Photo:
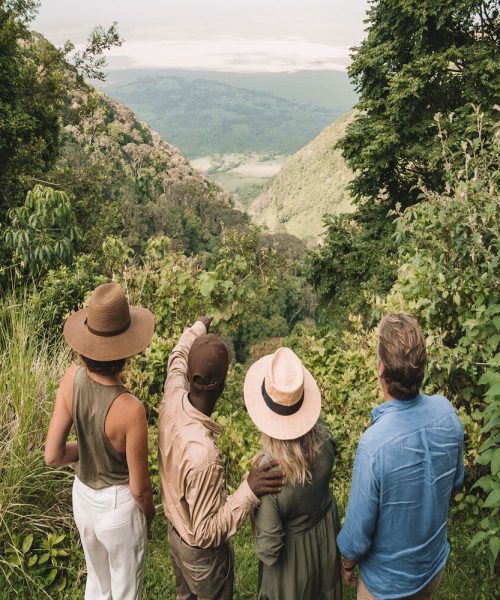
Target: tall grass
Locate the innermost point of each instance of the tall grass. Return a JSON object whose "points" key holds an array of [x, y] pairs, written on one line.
{"points": [[33, 498]]}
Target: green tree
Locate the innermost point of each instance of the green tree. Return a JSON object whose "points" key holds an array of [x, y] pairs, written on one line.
{"points": [[418, 59], [29, 104], [448, 276], [43, 232], [34, 81]]}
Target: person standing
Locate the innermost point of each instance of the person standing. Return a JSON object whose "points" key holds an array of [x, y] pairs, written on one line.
{"points": [[408, 465], [295, 529], [202, 516], [112, 494]]}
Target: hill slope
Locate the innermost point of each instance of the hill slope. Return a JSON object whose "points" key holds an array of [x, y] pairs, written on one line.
{"points": [[312, 182], [127, 181], [203, 117], [329, 89]]}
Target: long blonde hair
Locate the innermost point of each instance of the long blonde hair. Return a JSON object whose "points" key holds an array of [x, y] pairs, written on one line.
{"points": [[297, 458]]}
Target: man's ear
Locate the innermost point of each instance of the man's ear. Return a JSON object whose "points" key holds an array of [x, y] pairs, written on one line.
{"points": [[380, 369]]}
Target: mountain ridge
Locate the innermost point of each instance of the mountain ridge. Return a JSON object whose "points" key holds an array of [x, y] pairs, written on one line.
{"points": [[205, 117]]}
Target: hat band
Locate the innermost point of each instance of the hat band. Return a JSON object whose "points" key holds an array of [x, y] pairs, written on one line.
{"points": [[107, 333], [280, 409]]}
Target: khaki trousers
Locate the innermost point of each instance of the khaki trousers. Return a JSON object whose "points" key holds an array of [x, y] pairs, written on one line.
{"points": [[201, 573], [424, 594]]}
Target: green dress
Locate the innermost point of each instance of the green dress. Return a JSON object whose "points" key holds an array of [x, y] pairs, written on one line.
{"points": [[295, 538]]}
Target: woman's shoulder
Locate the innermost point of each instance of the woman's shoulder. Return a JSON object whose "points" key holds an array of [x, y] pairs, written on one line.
{"points": [[129, 408], [66, 385], [69, 375]]}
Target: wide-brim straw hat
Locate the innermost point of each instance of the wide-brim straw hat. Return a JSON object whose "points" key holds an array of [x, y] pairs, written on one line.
{"points": [[108, 328], [281, 396]]}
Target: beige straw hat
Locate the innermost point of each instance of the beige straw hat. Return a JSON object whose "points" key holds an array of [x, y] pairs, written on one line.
{"points": [[108, 328], [281, 396]]}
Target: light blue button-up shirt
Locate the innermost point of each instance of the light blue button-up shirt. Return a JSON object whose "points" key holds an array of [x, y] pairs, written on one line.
{"points": [[407, 466]]}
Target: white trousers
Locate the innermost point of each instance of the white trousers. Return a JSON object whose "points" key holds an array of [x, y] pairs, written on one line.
{"points": [[113, 532]]}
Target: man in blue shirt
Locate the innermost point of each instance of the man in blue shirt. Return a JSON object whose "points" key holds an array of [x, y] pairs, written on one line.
{"points": [[408, 465]]}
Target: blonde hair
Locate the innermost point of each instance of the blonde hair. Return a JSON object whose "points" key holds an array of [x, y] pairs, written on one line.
{"points": [[401, 348], [297, 458]]}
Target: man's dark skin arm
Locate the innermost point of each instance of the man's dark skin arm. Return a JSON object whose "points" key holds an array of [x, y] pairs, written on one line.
{"points": [[262, 480]]}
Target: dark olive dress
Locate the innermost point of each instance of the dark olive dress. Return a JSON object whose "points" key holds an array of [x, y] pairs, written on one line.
{"points": [[296, 538]]}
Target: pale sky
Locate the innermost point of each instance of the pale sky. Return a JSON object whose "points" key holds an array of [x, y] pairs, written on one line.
{"points": [[229, 35]]}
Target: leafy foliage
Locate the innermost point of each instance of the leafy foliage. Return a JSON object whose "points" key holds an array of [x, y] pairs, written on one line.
{"points": [[34, 78], [418, 59], [42, 560], [343, 274], [91, 61], [489, 454], [30, 102], [244, 291], [43, 232]]}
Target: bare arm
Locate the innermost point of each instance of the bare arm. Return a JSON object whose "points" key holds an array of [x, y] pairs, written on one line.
{"points": [[137, 459], [58, 451]]}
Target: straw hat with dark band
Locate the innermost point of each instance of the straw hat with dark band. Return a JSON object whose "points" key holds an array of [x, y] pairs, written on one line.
{"points": [[281, 396], [109, 328]]}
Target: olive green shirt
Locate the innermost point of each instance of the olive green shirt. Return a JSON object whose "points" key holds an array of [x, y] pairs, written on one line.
{"points": [[100, 464], [296, 538]]}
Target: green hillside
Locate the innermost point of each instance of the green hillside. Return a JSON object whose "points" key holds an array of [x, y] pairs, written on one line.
{"points": [[313, 182], [204, 117], [328, 89], [129, 181]]}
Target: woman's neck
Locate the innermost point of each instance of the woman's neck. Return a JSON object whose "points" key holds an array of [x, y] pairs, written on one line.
{"points": [[105, 379]]}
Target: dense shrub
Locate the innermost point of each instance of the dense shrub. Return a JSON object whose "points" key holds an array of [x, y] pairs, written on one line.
{"points": [[33, 499]]}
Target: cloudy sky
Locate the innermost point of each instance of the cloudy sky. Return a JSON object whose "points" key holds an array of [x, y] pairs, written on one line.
{"points": [[229, 35]]}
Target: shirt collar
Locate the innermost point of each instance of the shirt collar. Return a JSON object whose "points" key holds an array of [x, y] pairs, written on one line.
{"points": [[393, 405], [194, 413]]}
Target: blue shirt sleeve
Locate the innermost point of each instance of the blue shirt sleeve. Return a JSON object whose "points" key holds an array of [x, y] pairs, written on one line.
{"points": [[354, 540]]}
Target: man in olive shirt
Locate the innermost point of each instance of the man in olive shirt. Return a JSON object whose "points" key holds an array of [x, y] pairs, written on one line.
{"points": [[202, 516]]}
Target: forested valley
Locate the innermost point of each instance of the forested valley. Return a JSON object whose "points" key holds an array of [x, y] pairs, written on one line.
{"points": [[89, 194]]}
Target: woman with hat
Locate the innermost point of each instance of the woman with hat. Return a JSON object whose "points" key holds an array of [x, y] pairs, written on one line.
{"points": [[295, 530], [112, 495]]}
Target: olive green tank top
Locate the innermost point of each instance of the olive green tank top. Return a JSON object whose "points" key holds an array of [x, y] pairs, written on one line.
{"points": [[100, 464]]}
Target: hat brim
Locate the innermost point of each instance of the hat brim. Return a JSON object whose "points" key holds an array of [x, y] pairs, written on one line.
{"points": [[132, 341], [277, 426]]}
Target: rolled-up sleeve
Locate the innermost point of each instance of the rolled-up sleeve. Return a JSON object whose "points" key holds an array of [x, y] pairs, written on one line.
{"points": [[355, 537], [212, 522], [269, 533]]}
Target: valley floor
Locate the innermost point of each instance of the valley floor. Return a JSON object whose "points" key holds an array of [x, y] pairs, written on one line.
{"points": [[242, 175]]}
